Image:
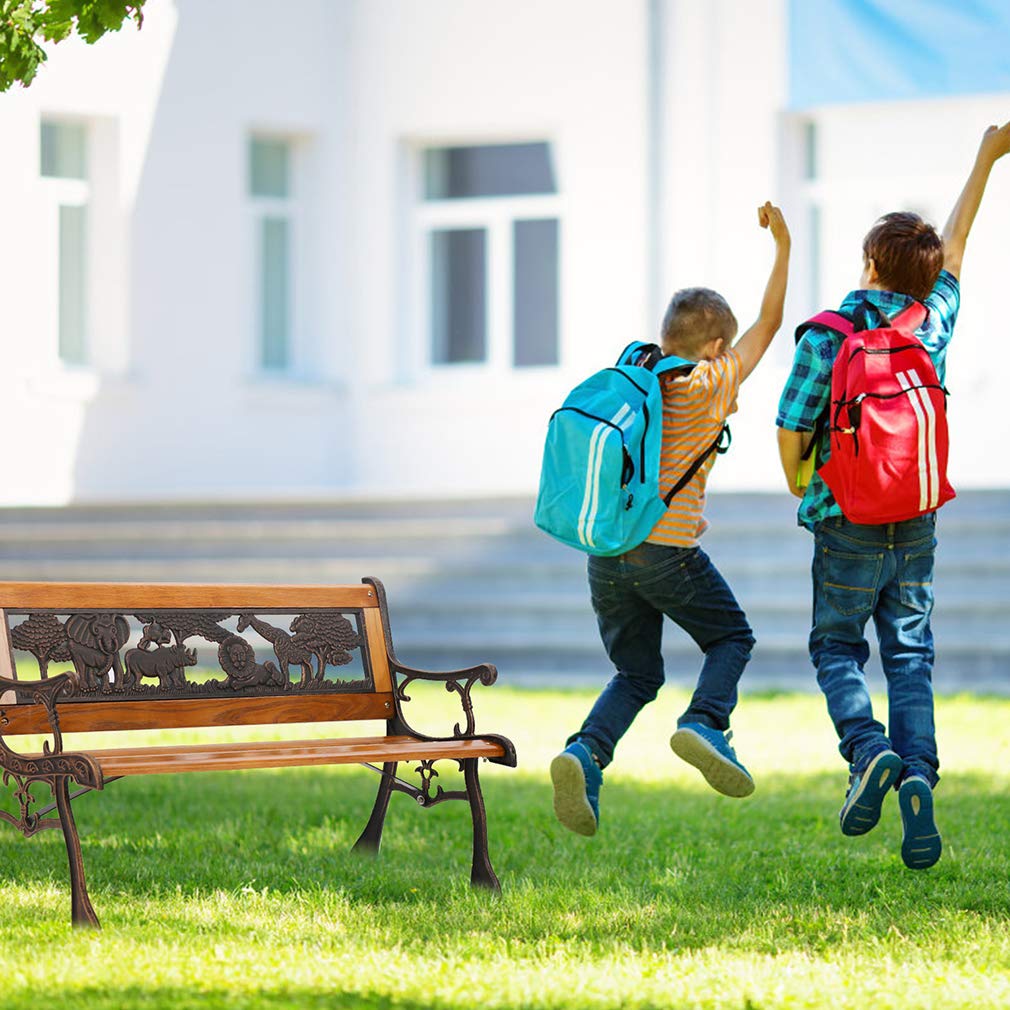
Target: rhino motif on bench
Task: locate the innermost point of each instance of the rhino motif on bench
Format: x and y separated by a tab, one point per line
166	663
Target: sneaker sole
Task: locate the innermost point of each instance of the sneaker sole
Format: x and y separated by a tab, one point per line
722	775
571	807
861	811
921	845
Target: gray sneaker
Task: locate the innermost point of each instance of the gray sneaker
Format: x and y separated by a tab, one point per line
921	845
867	789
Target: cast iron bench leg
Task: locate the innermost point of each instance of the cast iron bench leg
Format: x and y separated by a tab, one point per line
482	874
81	912
371	837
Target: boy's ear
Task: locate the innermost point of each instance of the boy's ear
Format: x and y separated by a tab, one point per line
870	275
715	348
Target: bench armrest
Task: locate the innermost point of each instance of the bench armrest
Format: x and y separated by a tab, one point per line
45	693
42	692
460	682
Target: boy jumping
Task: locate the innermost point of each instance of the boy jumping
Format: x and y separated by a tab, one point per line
881	571
669	573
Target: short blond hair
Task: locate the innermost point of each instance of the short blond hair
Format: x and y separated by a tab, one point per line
694	317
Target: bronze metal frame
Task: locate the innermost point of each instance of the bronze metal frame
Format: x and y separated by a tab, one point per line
94	661
462	683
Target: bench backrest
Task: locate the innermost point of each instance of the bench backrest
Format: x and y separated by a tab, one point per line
145	656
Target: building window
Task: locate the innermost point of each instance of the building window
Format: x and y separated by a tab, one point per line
63	162
271	193
490	241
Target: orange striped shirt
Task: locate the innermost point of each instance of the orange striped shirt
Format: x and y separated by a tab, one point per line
695	407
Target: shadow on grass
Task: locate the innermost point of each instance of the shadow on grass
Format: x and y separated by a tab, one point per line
182	998
670	865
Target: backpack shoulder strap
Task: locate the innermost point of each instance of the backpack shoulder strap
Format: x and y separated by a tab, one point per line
640	354
671	363
720	445
909	319
833	321
651	357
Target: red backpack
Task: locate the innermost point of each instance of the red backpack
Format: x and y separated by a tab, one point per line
887	421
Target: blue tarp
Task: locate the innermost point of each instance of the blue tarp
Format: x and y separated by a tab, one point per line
878	50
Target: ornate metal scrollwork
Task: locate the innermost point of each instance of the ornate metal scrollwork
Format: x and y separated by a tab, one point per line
425	798
454	682
104	669
28	822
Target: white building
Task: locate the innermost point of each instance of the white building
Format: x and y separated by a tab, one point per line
366	246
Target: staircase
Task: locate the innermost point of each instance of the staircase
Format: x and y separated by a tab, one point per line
474	581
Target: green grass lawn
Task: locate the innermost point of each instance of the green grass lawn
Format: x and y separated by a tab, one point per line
238	890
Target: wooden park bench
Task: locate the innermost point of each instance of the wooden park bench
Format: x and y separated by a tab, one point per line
151	657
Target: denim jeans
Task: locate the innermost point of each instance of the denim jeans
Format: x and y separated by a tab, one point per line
631	593
884	572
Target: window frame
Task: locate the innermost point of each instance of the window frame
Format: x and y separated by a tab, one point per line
496	215
70	191
260	208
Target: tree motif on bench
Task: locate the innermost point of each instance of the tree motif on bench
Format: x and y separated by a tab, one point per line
238	659
183	624
45	638
94	644
166	662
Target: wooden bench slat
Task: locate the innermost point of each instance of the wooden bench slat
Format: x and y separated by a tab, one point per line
168	759
129	597
170	713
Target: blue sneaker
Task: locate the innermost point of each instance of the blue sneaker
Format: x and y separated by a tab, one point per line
921	845
577	779
709	751
867	789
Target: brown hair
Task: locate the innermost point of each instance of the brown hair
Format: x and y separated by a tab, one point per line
907	253
693	318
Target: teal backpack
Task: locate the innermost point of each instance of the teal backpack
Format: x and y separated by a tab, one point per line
599	481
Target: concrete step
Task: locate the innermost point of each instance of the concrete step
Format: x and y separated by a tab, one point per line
470	581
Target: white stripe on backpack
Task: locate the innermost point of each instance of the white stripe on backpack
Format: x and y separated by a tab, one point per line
934	468
591	499
916	402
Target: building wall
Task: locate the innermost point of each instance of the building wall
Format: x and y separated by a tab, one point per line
667	126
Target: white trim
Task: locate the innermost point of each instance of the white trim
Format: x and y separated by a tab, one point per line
934	468
587	496
916	403
595	499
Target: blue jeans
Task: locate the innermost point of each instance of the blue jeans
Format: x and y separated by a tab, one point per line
631	593
884	572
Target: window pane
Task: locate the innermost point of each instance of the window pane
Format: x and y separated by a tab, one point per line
535	305
269	167
452	173
63	150
458	295
274	292
73	301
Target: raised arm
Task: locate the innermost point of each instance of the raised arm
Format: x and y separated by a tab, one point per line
995	143
754	342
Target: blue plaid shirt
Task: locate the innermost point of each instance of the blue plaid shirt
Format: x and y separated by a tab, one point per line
808	389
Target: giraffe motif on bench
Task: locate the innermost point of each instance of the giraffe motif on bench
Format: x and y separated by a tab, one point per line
288	651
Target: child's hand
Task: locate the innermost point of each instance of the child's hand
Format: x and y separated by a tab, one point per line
771	217
995	142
